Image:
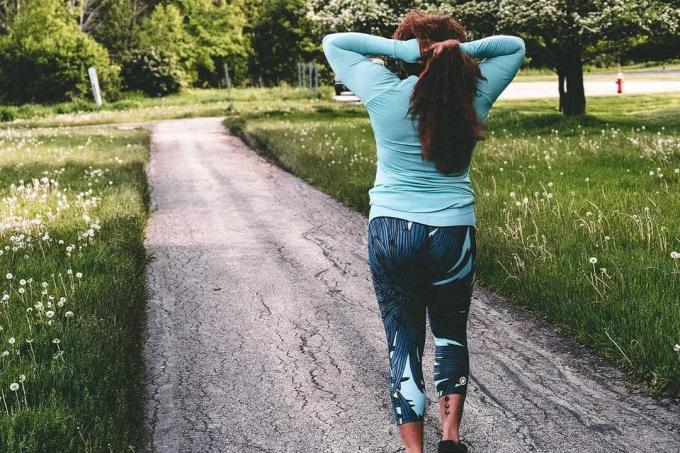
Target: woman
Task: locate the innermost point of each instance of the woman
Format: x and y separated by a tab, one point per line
422	219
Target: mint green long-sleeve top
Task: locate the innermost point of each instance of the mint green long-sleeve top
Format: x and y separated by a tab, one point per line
407	186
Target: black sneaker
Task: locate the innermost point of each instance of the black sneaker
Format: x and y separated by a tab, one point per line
451	446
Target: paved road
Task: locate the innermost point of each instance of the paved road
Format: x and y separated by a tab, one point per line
548	89
264	336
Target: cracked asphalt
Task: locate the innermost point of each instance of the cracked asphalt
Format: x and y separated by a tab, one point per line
263	334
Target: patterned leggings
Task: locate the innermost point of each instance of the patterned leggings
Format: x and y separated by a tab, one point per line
417	267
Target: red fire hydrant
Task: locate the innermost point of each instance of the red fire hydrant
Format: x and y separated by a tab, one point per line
619	83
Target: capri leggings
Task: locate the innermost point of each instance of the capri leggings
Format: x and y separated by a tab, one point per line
417	267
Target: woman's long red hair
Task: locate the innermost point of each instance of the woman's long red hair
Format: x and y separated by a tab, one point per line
442	100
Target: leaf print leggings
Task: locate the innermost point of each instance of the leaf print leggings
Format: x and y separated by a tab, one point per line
417	267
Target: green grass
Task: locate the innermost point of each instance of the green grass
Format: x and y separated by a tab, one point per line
73	202
553	192
136	108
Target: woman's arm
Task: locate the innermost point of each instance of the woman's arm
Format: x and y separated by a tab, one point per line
503	55
346	53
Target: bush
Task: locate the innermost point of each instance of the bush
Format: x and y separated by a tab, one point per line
7	114
153	72
76	106
44	58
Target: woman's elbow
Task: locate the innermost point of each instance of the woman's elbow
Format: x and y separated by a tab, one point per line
327	40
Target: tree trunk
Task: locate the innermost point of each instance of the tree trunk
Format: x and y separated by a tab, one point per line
570	79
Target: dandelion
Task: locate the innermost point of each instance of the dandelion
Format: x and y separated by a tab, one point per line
9	276
79	275
14	386
68	314
592	260
675	255
49	314
676	348
651	173
22	282
11	340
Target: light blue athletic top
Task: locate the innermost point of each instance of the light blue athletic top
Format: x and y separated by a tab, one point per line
406	186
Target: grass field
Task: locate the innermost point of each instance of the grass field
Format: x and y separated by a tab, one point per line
134	108
578	218
72	216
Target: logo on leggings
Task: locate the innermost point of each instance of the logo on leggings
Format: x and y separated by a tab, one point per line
462	380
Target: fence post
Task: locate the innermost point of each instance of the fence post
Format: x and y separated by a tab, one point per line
94	81
227	81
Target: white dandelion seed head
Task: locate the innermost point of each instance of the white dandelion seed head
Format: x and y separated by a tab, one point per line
14	386
22	282
68	314
56	341
79	275
462	380
592	260
49	313
8	276
676	348
22	378
675	255
12	340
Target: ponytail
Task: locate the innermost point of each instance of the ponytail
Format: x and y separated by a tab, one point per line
442	102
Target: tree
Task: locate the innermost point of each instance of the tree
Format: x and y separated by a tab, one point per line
563	34
44	57
280	36
216	27
116	24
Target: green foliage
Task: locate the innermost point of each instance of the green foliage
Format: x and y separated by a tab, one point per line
281	36
115	25
44	58
154	72
8	113
217	31
194	37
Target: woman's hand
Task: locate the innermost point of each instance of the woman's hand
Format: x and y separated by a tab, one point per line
434	49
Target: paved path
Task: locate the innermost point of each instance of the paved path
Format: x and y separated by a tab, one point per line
548	89
264	335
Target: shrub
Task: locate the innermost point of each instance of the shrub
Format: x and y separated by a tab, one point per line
44	58
7	114
154	72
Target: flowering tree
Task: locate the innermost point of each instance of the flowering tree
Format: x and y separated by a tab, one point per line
366	16
564	33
